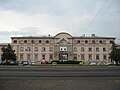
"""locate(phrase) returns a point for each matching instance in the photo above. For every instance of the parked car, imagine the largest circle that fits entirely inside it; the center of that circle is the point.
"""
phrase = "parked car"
(26, 63)
(13, 63)
(44, 62)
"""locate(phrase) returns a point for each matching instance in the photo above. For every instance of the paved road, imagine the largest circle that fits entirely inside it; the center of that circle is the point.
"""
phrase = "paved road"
(59, 78)
(59, 71)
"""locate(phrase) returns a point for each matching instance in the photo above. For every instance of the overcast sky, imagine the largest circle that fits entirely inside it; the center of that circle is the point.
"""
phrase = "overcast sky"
(43, 17)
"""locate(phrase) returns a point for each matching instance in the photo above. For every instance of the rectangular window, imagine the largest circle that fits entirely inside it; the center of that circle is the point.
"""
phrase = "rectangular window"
(36, 57)
(28, 57)
(51, 57)
(28, 49)
(90, 49)
(75, 57)
(75, 49)
(36, 49)
(21, 57)
(90, 57)
(82, 57)
(21, 49)
(104, 57)
(97, 49)
(97, 57)
(43, 57)
(43, 49)
(51, 49)
(104, 49)
(82, 49)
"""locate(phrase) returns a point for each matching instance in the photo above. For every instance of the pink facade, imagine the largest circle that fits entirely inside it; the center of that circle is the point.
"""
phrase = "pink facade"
(63, 46)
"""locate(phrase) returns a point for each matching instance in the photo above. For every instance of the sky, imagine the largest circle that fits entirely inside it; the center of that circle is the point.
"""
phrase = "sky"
(43, 17)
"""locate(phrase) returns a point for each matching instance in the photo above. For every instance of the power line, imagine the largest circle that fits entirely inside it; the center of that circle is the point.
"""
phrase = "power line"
(96, 14)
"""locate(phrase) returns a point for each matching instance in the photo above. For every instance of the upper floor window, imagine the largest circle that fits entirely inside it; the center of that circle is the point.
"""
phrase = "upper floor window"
(43, 49)
(78, 41)
(39, 41)
(21, 49)
(104, 49)
(15, 41)
(100, 41)
(63, 42)
(25, 41)
(97, 49)
(36, 49)
(82, 49)
(32, 41)
(75, 49)
(93, 41)
(51, 49)
(90, 49)
(47, 41)
(28, 49)
(111, 41)
(86, 41)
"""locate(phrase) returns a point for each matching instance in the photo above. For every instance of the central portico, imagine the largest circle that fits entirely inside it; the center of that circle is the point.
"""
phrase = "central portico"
(63, 47)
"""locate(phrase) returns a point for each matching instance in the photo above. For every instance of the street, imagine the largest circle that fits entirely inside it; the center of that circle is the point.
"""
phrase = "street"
(59, 78)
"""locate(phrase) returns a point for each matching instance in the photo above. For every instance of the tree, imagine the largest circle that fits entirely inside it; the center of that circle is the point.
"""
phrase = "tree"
(115, 54)
(8, 54)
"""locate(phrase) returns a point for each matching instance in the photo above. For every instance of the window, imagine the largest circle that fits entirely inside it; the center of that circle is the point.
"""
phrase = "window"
(51, 57)
(75, 57)
(32, 41)
(15, 41)
(82, 49)
(75, 49)
(43, 56)
(82, 57)
(63, 48)
(90, 49)
(21, 57)
(78, 41)
(43, 49)
(63, 42)
(28, 57)
(86, 41)
(100, 42)
(36, 57)
(93, 41)
(21, 49)
(39, 41)
(104, 57)
(47, 41)
(104, 49)
(90, 57)
(111, 42)
(28, 49)
(36, 49)
(25, 41)
(51, 49)
(97, 57)
(97, 49)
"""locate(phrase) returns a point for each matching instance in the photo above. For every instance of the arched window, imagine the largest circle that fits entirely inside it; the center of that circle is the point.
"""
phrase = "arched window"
(63, 42)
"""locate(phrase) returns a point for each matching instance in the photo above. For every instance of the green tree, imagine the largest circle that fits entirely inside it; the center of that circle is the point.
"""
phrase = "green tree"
(8, 54)
(115, 54)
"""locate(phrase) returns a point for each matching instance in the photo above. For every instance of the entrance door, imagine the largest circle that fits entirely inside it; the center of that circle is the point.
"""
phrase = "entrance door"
(63, 57)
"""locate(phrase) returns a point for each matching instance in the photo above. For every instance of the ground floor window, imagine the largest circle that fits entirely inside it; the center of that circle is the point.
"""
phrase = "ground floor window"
(82, 57)
(28, 57)
(90, 57)
(36, 57)
(75, 57)
(51, 57)
(97, 57)
(104, 57)
(21, 57)
(43, 56)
